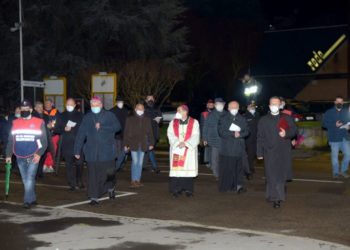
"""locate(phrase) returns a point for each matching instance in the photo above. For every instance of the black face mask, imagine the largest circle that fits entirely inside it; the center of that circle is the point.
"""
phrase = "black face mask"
(339, 106)
(150, 103)
(25, 114)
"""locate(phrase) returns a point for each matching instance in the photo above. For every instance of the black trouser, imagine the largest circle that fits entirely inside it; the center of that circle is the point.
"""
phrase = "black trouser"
(74, 169)
(179, 184)
(40, 172)
(101, 178)
(251, 152)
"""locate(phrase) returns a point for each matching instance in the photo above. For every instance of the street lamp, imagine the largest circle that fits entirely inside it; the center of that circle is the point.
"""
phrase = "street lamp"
(18, 27)
(252, 88)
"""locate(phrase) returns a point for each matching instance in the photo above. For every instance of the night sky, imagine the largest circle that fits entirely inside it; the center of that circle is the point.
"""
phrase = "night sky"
(273, 53)
(227, 38)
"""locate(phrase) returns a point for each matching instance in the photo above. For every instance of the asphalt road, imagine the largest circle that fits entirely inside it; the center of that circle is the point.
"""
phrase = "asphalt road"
(317, 207)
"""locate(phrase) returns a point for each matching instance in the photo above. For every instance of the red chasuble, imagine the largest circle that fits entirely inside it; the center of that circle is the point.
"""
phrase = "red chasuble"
(179, 160)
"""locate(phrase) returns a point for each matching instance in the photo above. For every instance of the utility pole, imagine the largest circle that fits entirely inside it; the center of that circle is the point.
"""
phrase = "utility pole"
(348, 58)
(20, 25)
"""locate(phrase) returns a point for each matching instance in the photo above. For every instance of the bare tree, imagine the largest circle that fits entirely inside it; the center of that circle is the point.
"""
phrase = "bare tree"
(141, 78)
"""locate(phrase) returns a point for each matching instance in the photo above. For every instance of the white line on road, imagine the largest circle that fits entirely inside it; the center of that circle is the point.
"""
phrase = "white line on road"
(37, 184)
(315, 180)
(88, 201)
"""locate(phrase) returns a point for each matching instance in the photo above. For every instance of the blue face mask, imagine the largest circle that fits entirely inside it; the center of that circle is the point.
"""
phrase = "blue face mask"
(95, 110)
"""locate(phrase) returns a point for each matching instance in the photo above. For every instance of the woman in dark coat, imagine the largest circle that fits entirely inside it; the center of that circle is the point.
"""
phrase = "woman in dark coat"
(97, 135)
(138, 138)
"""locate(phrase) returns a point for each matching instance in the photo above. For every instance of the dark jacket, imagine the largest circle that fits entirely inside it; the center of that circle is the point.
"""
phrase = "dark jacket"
(100, 144)
(121, 115)
(210, 130)
(50, 147)
(152, 113)
(252, 121)
(330, 118)
(230, 145)
(68, 137)
(138, 133)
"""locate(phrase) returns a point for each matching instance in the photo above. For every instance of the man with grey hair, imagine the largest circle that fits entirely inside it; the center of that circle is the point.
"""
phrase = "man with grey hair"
(232, 128)
(211, 136)
(97, 132)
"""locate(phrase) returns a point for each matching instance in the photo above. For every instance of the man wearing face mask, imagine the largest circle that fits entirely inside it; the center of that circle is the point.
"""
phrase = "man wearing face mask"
(121, 113)
(232, 130)
(211, 136)
(27, 142)
(39, 113)
(333, 120)
(97, 131)
(184, 135)
(275, 131)
(156, 117)
(138, 138)
(67, 126)
(204, 115)
(252, 117)
(53, 114)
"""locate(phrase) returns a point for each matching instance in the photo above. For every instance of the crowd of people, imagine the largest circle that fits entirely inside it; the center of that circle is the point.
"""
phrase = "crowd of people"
(102, 138)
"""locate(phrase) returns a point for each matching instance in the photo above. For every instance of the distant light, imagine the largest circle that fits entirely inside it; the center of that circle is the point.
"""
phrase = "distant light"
(53, 77)
(102, 73)
(251, 90)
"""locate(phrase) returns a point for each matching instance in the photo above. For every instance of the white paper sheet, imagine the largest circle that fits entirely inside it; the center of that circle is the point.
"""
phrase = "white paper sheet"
(158, 119)
(234, 128)
(71, 124)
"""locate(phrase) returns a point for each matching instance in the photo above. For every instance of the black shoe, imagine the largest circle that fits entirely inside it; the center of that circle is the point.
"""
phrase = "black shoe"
(249, 177)
(93, 203)
(26, 205)
(34, 203)
(157, 171)
(175, 195)
(188, 194)
(276, 204)
(111, 195)
(241, 190)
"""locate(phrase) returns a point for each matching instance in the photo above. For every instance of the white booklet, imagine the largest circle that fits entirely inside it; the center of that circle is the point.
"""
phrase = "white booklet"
(71, 124)
(234, 128)
(345, 126)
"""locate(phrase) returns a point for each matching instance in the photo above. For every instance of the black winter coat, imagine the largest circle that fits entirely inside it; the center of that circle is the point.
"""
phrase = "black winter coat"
(68, 137)
(230, 145)
(99, 144)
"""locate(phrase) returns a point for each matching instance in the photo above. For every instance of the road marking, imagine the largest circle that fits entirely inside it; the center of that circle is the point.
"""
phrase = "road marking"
(88, 201)
(314, 180)
(296, 179)
(37, 184)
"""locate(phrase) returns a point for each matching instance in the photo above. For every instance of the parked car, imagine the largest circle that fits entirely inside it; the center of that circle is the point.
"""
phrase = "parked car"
(168, 113)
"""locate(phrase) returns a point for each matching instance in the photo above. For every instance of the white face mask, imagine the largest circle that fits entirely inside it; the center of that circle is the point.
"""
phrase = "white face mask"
(234, 111)
(69, 108)
(219, 107)
(274, 109)
(252, 111)
(178, 116)
(120, 105)
(139, 112)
